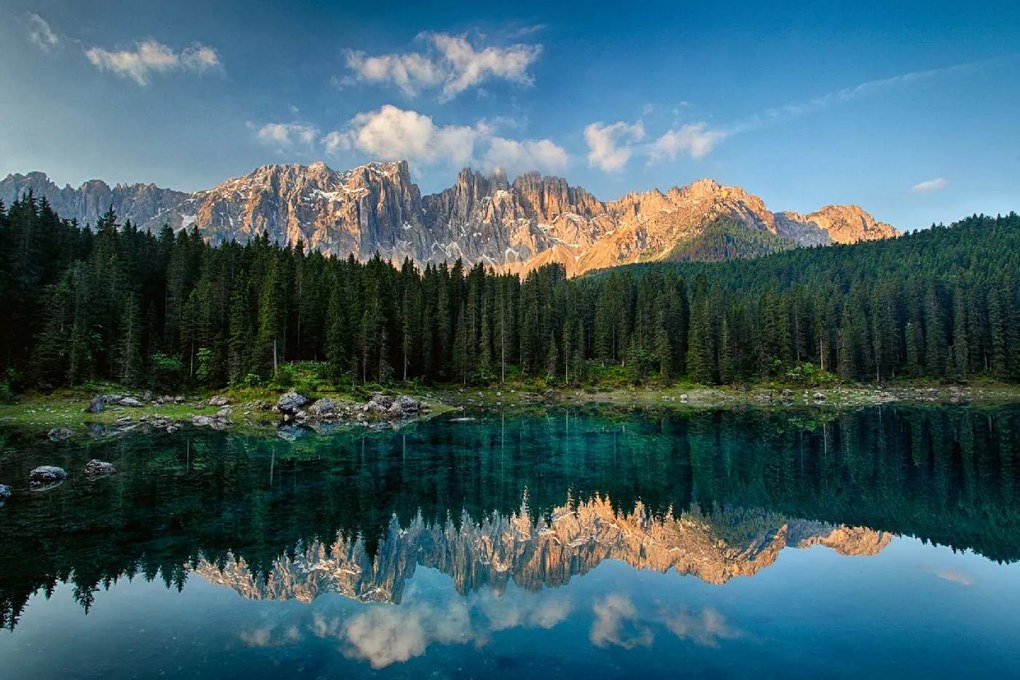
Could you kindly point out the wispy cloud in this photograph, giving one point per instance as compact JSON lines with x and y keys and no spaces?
{"x":929,"y":185}
{"x":40,"y":33}
{"x":151,"y":56}
{"x":798,"y":109}
{"x":698,"y":139}
{"x":448,"y":61}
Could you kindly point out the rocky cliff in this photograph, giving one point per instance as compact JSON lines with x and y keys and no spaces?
{"x":714,"y":547}
{"x":513,"y":226}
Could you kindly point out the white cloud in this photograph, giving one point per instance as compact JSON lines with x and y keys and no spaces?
{"x":930,"y":185}
{"x":609,"y":146}
{"x":286,"y":136}
{"x":448,"y":60}
{"x":392,"y":133}
{"x":337,"y":141}
{"x":409,"y":72}
{"x":40,"y":33}
{"x":694,"y":139}
{"x":515,"y":156}
{"x":151,"y":56}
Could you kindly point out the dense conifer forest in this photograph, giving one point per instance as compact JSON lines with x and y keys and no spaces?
{"x":111,"y":302}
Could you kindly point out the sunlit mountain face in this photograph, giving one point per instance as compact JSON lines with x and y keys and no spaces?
{"x":644,"y":536}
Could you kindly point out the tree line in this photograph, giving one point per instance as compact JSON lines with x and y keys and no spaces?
{"x":110,"y":301}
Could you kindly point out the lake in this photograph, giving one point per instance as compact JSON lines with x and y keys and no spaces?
{"x":569,"y":543}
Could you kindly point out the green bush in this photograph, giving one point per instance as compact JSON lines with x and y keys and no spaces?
{"x":166,"y":371}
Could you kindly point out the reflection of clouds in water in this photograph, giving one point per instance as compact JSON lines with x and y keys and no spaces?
{"x":704,"y":629}
{"x":616,"y":623}
{"x":955,"y":576}
{"x":384,"y":634}
{"x":270,"y":636}
{"x":503,"y":612}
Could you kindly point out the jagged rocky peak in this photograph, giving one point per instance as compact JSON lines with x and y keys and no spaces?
{"x":844,"y":223}
{"x":550,"y":197}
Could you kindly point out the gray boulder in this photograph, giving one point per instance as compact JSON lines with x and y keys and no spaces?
{"x":323,"y":408}
{"x":291,"y":402}
{"x":218,"y":400}
{"x":59,"y":434}
{"x":130,"y":401}
{"x":215,"y":422}
{"x":382,"y":401}
{"x":97,"y":404}
{"x":98,"y":468}
{"x":407,"y":404}
{"x":46,"y":477}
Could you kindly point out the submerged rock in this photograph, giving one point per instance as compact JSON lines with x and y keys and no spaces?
{"x":291,"y":402}
{"x":59,"y":434}
{"x":46,"y":477}
{"x":5,"y":493}
{"x":98,"y":468}
{"x":291,"y":433}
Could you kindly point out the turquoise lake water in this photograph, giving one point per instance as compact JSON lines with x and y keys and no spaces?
{"x":572,"y":544}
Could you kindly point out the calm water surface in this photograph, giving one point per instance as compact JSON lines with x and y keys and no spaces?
{"x":571,"y":544}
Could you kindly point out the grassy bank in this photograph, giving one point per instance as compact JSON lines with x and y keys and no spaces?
{"x":251,"y":407}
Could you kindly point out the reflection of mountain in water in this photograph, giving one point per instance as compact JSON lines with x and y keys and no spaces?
{"x":944,"y":475}
{"x":571,"y":541}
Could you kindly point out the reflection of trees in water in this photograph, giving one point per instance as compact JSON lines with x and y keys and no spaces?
{"x":946,"y":475}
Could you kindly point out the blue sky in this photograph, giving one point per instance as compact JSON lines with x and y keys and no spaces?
{"x":911,"y":110}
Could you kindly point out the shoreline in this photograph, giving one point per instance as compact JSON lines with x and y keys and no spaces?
{"x":63,"y":415}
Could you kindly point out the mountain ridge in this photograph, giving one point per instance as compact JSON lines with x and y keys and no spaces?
{"x":482,"y":217}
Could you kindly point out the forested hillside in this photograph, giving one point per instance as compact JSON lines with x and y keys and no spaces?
{"x":114,"y":302}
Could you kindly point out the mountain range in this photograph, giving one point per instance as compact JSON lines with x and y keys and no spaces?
{"x":483,"y":218}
